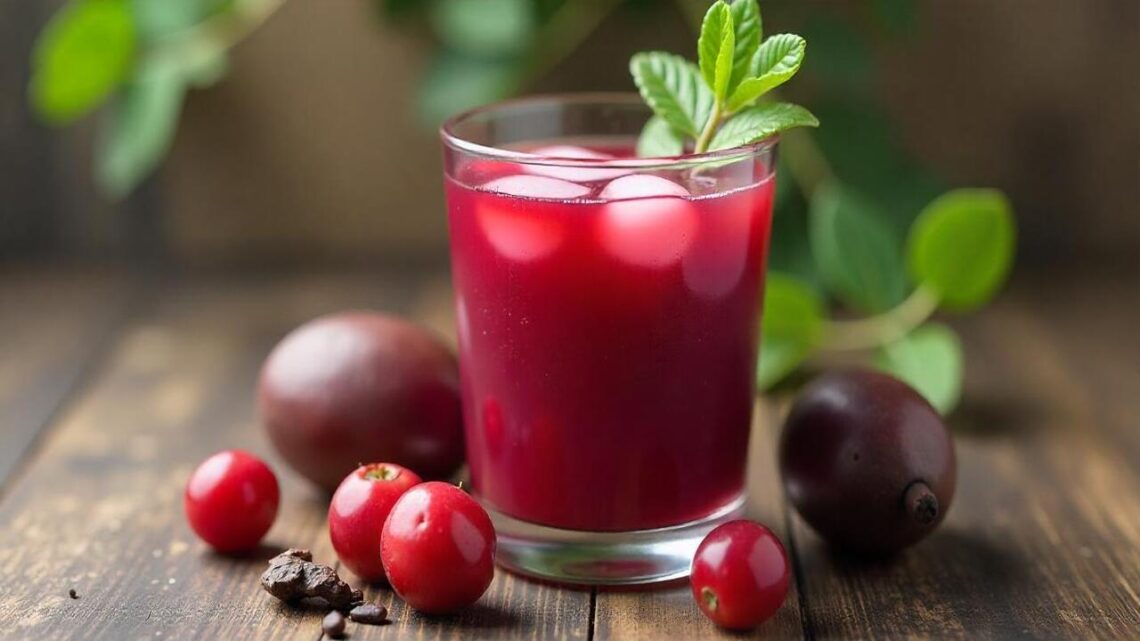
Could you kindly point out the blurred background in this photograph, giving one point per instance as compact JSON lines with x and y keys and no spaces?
{"x":303,"y":132}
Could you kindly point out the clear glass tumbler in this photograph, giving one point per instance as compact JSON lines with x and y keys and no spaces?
{"x":608,"y":319}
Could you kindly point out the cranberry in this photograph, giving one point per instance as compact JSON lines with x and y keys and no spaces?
{"x":740,"y":575}
{"x":231,"y":500}
{"x":357,"y":513}
{"x":438,"y":548}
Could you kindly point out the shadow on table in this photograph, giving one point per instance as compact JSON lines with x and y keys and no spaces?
{"x":257,"y":556}
{"x":477,"y":616}
{"x":957,"y":560}
{"x":991,"y":417}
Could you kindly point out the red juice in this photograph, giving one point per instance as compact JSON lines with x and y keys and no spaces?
{"x":608,"y":328}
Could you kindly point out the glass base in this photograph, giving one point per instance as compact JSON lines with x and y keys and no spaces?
{"x":604,"y":558}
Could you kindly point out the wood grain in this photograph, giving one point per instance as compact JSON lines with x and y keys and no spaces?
{"x":99,"y":509}
{"x":672,"y":613}
{"x":1043,"y":539}
{"x":53,"y":325}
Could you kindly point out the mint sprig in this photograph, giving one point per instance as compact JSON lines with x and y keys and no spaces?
{"x":714,"y":102}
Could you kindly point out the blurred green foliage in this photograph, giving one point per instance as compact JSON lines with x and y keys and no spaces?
{"x":860,"y":227}
{"x":136,"y":59}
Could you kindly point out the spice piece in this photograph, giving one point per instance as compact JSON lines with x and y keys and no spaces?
{"x":293,"y":576}
{"x":72,"y":593}
{"x":369,"y":613}
{"x":333,"y":625}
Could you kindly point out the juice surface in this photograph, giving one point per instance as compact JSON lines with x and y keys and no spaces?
{"x":608,"y":326}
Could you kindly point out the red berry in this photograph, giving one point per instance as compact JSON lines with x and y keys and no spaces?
{"x":357,"y":513}
{"x":740,"y":575}
{"x":231,"y":500}
{"x":438,"y":548}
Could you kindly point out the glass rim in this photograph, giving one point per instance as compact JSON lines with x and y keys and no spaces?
{"x":447,"y":133}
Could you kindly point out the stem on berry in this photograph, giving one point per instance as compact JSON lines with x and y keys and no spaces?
{"x":920,"y":503}
{"x":709,"y":598}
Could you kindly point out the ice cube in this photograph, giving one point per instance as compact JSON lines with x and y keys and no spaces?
{"x":715,"y":263}
{"x":576,"y":174}
{"x":476,"y":171}
{"x":537,"y":187}
{"x":516,"y":230}
{"x":649,"y":223}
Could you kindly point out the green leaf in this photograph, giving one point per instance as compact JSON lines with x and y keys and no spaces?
{"x":674,"y":89}
{"x":454,"y":83}
{"x":659,"y":139}
{"x":858,"y":259}
{"x":82,"y":56}
{"x":962,"y":246}
{"x":139,"y":129}
{"x":157,"y":18}
{"x":791,"y":328}
{"x":749,"y":30}
{"x":757,"y":123}
{"x":715,"y":48}
{"x":484,"y":28}
{"x":929,"y":359}
{"x":774,"y":63}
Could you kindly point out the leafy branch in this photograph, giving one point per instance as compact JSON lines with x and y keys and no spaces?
{"x":957,"y":254}
{"x":714,"y":102}
{"x":136,"y":59}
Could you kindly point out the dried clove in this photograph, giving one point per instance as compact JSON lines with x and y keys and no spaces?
{"x":293,"y":576}
{"x":333,"y":625}
{"x":369,"y":613}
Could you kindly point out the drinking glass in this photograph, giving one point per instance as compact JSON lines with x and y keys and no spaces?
{"x":608,"y":313}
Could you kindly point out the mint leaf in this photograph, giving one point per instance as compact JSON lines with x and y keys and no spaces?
{"x":139,"y":129}
{"x":757,"y":123}
{"x":929,"y":359}
{"x":659,"y":139}
{"x":774,"y":63}
{"x":715,"y":48}
{"x":857,"y":256}
{"x":674,"y":89}
{"x":791,"y":328}
{"x":83,"y":54}
{"x":748,"y":26}
{"x":962,"y":245}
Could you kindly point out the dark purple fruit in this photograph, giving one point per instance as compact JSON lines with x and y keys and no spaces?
{"x":867,"y":462}
{"x":359,"y":387}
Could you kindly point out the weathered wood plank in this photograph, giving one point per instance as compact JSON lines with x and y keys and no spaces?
{"x":1043,"y":540}
{"x":99,"y":509}
{"x":53,"y":325}
{"x":672,"y":613}
{"x":512,"y":608}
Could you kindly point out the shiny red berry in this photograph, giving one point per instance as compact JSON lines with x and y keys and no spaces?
{"x":438,"y":548}
{"x":740,"y":575}
{"x":231,"y":500}
{"x":357,"y":513}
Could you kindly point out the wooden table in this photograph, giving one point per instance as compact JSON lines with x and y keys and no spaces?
{"x":113,"y":388}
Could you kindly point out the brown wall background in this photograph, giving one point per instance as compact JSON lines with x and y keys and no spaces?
{"x":311,"y":150}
